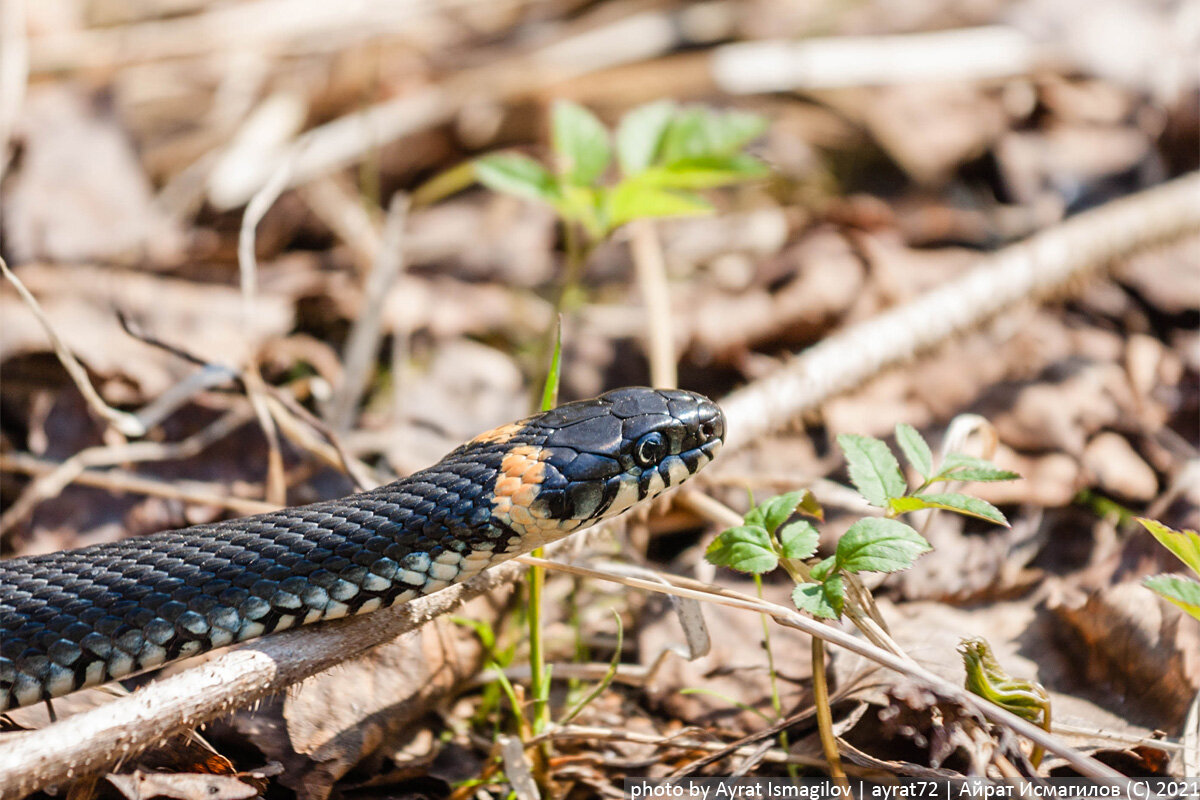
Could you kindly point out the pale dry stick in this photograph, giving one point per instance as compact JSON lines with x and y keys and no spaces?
{"x":966,"y":54}
{"x":1088,"y":767}
{"x":290,"y":414}
{"x":345,"y":214}
{"x":675,"y":741}
{"x":96,"y":740}
{"x":161,"y":407}
{"x":14,"y":71}
{"x":51,"y":484}
{"x":1045,"y":263}
{"x":362,"y":345}
{"x":262,"y":25}
{"x":256,"y":209}
{"x":126,"y":423}
{"x":116,"y":480}
{"x":651,"y":268}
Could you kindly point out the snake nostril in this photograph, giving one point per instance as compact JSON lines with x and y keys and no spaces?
{"x":707,"y":431}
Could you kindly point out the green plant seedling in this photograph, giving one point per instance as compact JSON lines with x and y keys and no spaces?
{"x":664,"y":155}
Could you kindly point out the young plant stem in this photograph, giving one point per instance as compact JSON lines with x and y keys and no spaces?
{"x":539,"y":681}
{"x":776,"y":703}
{"x":825,"y":715}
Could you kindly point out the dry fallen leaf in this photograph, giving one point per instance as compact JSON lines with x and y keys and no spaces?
{"x":181,"y":786}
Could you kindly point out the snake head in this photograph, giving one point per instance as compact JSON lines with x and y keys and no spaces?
{"x":604,"y":455}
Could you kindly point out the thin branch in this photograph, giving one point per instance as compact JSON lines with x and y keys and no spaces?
{"x":117,"y":480}
{"x":50,"y":484}
{"x":126,"y":423}
{"x":1043,"y":264}
{"x":362,"y":345}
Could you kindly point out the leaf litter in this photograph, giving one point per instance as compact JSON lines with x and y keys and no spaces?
{"x":879,"y":194}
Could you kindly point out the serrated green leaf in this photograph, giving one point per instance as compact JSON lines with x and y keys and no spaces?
{"x":513,"y":173}
{"x":959,"y":467}
{"x":1177,"y":589}
{"x":824,"y":600}
{"x":879,"y":545}
{"x":874,"y":471}
{"x":701,"y":133}
{"x":640,"y":135}
{"x":685,"y":137}
{"x":823,"y":568}
{"x":1185,"y":545}
{"x":915,"y":449}
{"x":746,"y":548}
{"x":950,"y":501}
{"x":733,"y":130}
{"x":799,"y":539}
{"x":580,"y":142}
{"x":772,"y":513}
{"x":705,"y":172}
{"x":629,"y":201}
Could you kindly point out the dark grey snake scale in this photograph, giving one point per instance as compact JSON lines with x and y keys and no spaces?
{"x":85,"y":617}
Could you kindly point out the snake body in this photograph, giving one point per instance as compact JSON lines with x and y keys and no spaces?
{"x":84,"y":617}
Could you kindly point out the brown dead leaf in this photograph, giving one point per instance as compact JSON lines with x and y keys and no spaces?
{"x":734,"y":672}
{"x":1117,"y":468}
{"x":182,"y":786}
{"x":1135,"y":648}
{"x":1168,"y":277}
{"x":79,"y":193}
{"x":930,"y":129}
{"x":818,"y":279}
{"x":1063,"y":414}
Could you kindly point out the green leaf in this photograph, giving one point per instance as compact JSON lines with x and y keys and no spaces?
{"x":733,"y":130}
{"x":823,"y":600}
{"x":799,"y":539}
{"x":702,"y":133}
{"x":776,"y":511}
{"x":915,"y":449}
{"x":879,"y":545}
{"x":873,"y":468}
{"x":950,"y":501}
{"x":513,"y":173}
{"x":705,"y":172}
{"x":685,"y":137}
{"x":581,"y":143}
{"x":823,"y":568}
{"x":629,"y":201}
{"x":1185,"y":545}
{"x":746,"y":548}
{"x":959,"y":467}
{"x":640,"y":135}
{"x":1179,"y":590}
{"x":550,"y":388}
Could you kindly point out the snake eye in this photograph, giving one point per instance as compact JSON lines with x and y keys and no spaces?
{"x":650,"y":449}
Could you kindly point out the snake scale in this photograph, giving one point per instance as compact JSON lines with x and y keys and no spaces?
{"x":84,"y":617}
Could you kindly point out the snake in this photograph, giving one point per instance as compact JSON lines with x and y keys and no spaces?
{"x":84,"y":617}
